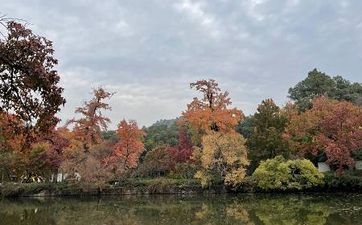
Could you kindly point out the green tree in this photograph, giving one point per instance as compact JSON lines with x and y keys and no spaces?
{"x":319,"y":84}
{"x":163,"y":132}
{"x":266,"y":139}
{"x":245,"y":127}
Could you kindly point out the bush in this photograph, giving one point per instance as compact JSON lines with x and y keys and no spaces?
{"x":342,"y":183}
{"x":281,"y":174}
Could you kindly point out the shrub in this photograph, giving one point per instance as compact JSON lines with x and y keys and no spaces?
{"x":183,"y":171}
{"x":342,"y":183}
{"x":281,"y":174}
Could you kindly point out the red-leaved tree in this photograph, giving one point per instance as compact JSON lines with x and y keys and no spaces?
{"x":330,"y":127}
{"x":183,"y":151}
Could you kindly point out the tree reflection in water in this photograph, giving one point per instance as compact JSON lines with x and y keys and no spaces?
{"x":175,"y":210}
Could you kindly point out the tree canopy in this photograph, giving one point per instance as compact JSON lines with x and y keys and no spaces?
{"x":320,"y":84}
{"x":29,"y":86}
{"x":211,"y":113}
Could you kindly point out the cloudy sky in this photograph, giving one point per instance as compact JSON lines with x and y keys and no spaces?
{"x":149,"y":51}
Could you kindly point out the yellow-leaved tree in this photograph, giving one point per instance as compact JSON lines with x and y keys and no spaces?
{"x":223,"y":158}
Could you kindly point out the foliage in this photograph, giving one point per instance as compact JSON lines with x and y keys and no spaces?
{"x":319,"y":84}
{"x":330,"y":127}
{"x":210,"y":113}
{"x":281,"y":174}
{"x":88,"y":128}
{"x":28,"y":81}
{"x":130,"y":145}
{"x":163,"y":132}
{"x":183,"y":151}
{"x":87,"y":168}
{"x":357,"y":155}
{"x":245,"y":127}
{"x":183,"y":171}
{"x":266,"y":139}
{"x":37,"y":162}
{"x":156,"y":163}
{"x":110,"y":135}
{"x":342,"y":183}
{"x":223,"y":156}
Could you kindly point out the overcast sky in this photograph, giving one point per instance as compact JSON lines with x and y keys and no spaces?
{"x":149,"y":51}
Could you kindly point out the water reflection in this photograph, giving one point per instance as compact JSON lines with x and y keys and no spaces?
{"x":213,"y":210}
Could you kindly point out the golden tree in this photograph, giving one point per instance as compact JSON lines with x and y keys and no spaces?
{"x":223,"y":157}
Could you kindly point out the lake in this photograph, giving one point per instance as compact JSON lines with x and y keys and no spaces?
{"x":273,"y":209}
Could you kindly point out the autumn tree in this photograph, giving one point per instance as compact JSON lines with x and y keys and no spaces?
{"x":12,"y":141}
{"x":211,"y":113}
{"x":320,"y":84}
{"x":29,"y":99}
{"x":28,"y":81}
{"x":157,"y":162}
{"x":88,"y":168}
{"x":183,"y":151}
{"x":222,"y":158}
{"x":130,"y":145}
{"x":330,"y":127}
{"x":266,"y":139}
{"x":89,"y":127}
{"x":85,"y":156}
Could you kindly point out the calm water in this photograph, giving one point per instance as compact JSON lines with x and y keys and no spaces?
{"x":222,"y":209}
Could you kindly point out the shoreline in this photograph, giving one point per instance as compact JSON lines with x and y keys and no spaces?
{"x":146,"y":187}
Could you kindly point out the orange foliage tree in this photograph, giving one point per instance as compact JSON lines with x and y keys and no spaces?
{"x":130,"y":146}
{"x":88,"y":128}
{"x":330,"y":127}
{"x":87,"y":152}
{"x":211,"y":112}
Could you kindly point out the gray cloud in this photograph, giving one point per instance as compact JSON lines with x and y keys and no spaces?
{"x":148,"y":51}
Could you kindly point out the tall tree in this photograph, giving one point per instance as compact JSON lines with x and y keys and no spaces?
{"x":211,"y":112}
{"x":331,"y":128}
{"x":266,"y":139}
{"x":89,"y":127}
{"x":319,"y":84}
{"x":28,"y":81}
{"x":130,"y":146}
